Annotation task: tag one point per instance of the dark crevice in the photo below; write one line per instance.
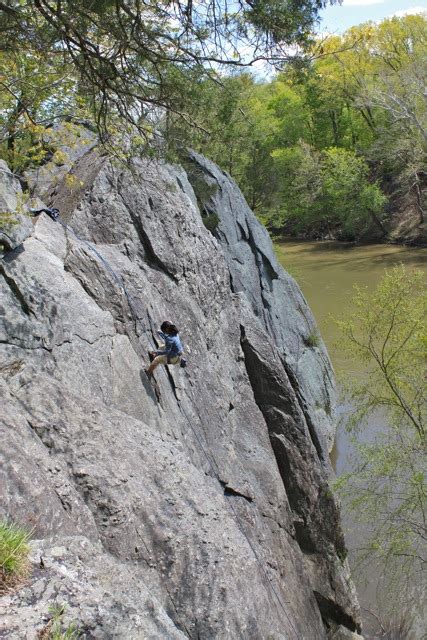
(243, 232)
(12, 254)
(316, 519)
(172, 383)
(280, 525)
(6, 242)
(42, 436)
(202, 168)
(232, 288)
(180, 185)
(17, 293)
(267, 274)
(295, 497)
(291, 442)
(265, 268)
(24, 348)
(175, 615)
(229, 491)
(330, 611)
(299, 396)
(152, 258)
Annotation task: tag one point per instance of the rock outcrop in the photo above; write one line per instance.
(195, 505)
(274, 297)
(13, 229)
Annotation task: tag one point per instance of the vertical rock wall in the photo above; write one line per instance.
(274, 297)
(195, 505)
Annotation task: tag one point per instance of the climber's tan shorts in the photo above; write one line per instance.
(164, 360)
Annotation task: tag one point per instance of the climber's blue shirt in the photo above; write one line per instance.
(173, 345)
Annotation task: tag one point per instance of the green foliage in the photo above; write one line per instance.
(13, 553)
(316, 149)
(313, 150)
(347, 194)
(7, 220)
(211, 222)
(38, 89)
(312, 340)
(327, 192)
(56, 630)
(387, 334)
(123, 64)
(203, 190)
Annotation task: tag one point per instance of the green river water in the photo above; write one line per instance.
(326, 272)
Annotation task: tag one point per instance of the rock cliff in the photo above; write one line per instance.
(195, 505)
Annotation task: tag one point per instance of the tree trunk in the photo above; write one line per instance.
(378, 222)
(419, 200)
(11, 132)
(332, 116)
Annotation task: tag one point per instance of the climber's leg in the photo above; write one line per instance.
(163, 359)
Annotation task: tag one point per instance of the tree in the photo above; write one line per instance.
(300, 189)
(348, 198)
(134, 59)
(387, 335)
(398, 92)
(37, 90)
(325, 193)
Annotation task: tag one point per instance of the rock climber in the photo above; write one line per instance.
(170, 352)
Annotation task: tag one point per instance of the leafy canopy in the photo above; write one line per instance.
(129, 60)
(355, 108)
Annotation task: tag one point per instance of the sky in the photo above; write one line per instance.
(338, 18)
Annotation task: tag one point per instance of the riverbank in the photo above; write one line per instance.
(405, 225)
(405, 232)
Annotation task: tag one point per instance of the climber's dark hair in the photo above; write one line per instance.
(173, 330)
(166, 325)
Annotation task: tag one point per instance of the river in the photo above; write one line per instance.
(326, 272)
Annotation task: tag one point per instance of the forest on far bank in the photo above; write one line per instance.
(329, 147)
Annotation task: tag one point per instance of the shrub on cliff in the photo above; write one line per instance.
(13, 554)
(56, 629)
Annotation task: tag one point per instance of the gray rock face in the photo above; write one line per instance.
(16, 228)
(79, 570)
(193, 505)
(274, 296)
